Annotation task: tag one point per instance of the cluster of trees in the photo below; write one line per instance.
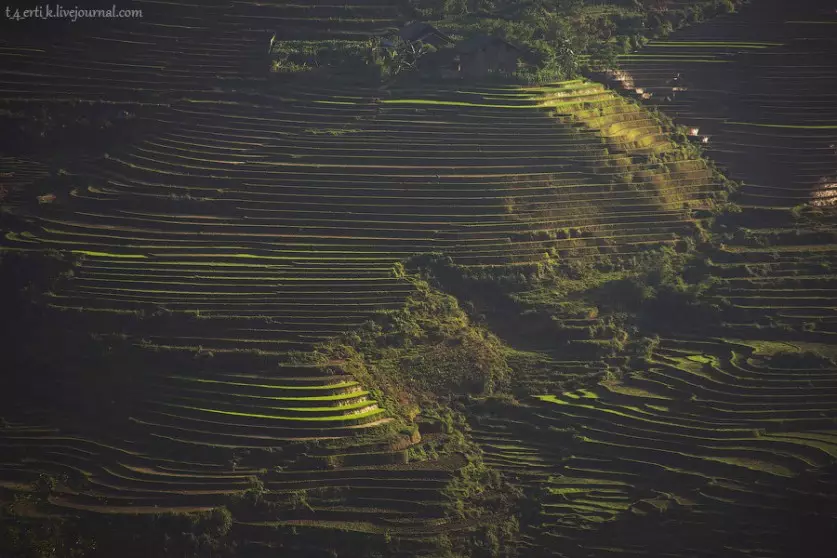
(394, 56)
(561, 37)
(28, 535)
(559, 33)
(430, 350)
(666, 285)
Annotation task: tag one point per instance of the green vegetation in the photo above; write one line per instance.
(560, 38)
(27, 534)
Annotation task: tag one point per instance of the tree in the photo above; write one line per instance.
(395, 55)
(219, 522)
(455, 7)
(604, 57)
(553, 62)
(655, 5)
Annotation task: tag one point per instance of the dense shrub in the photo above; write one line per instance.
(429, 350)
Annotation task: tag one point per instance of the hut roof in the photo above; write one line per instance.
(480, 42)
(420, 31)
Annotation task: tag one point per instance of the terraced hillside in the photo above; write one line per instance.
(717, 423)
(209, 406)
(758, 92)
(212, 304)
(773, 130)
(709, 437)
(214, 253)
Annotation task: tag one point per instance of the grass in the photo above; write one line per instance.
(349, 416)
(454, 104)
(755, 465)
(702, 359)
(790, 126)
(620, 388)
(714, 44)
(340, 385)
(108, 255)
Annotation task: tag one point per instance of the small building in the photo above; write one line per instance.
(483, 55)
(697, 138)
(420, 31)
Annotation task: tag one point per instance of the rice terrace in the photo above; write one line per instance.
(419, 278)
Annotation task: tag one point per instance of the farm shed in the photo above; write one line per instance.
(483, 55)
